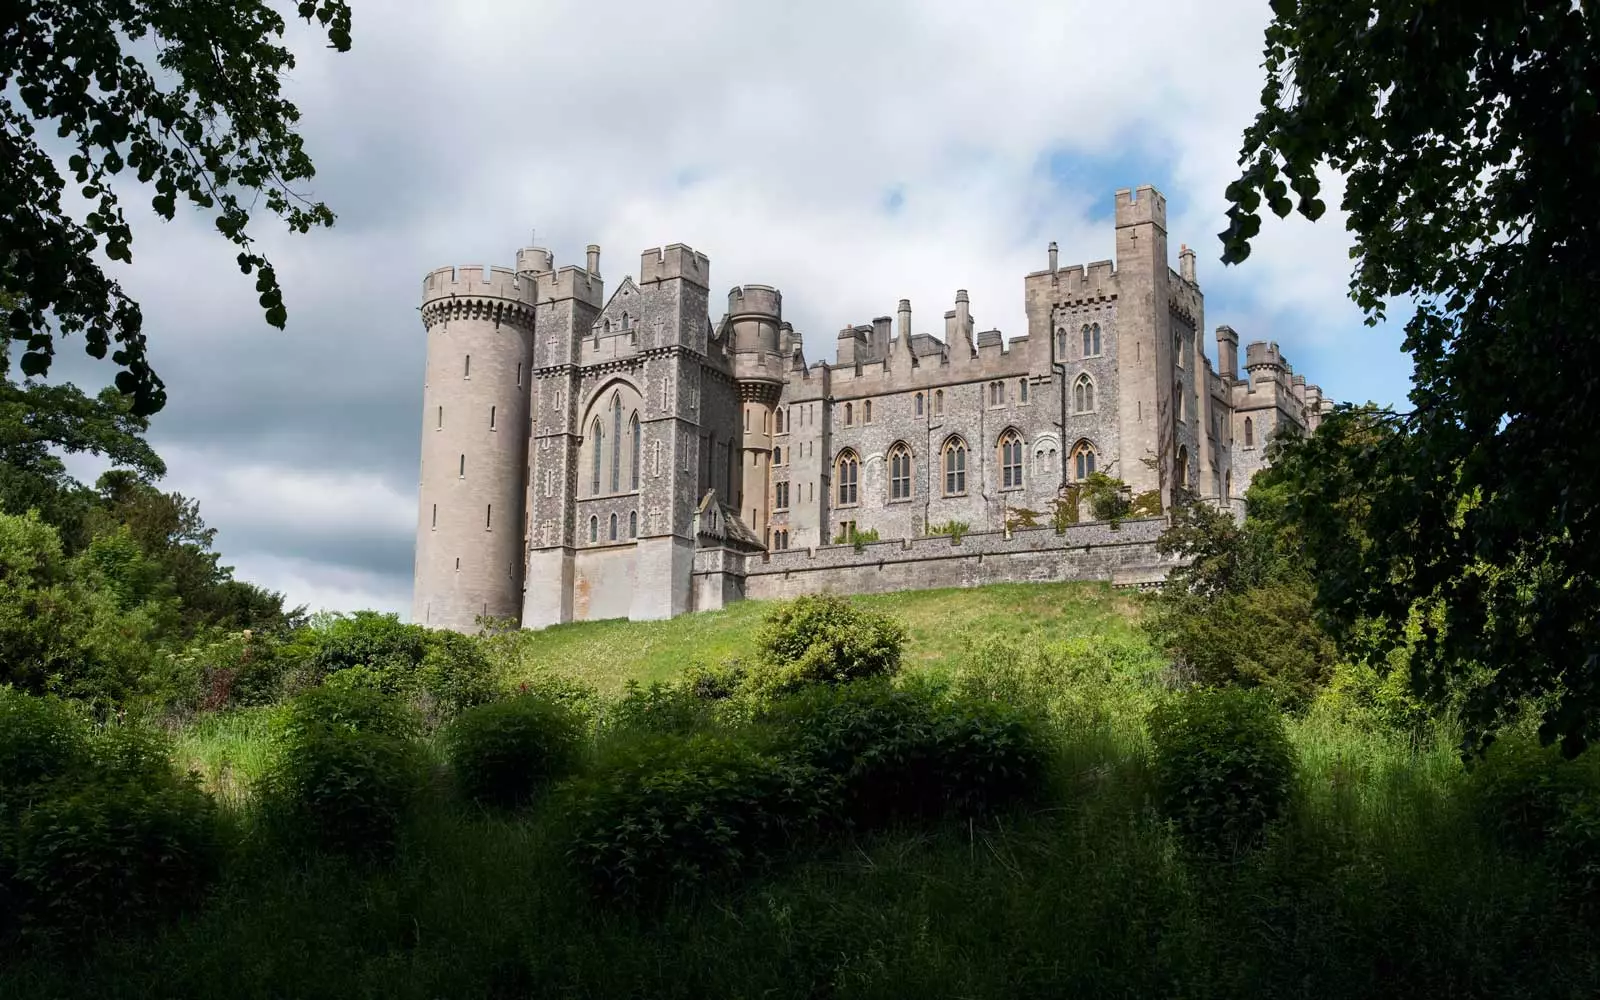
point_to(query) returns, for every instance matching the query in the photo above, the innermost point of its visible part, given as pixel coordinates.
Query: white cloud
(765, 135)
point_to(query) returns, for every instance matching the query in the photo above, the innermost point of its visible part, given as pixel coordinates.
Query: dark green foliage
(1107, 497)
(1223, 767)
(715, 683)
(1463, 135)
(1536, 801)
(666, 815)
(823, 639)
(344, 773)
(441, 672)
(912, 753)
(183, 96)
(655, 708)
(134, 843)
(40, 739)
(504, 752)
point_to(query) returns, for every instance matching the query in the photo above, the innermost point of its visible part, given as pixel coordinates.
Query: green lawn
(606, 654)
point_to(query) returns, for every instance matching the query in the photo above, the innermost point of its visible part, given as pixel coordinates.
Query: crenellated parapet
(496, 294)
(675, 261)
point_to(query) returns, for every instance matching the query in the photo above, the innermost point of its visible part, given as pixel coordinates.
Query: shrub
(1223, 767)
(440, 672)
(127, 845)
(1107, 497)
(1536, 801)
(503, 752)
(455, 674)
(912, 753)
(657, 708)
(715, 683)
(40, 739)
(668, 814)
(823, 639)
(344, 772)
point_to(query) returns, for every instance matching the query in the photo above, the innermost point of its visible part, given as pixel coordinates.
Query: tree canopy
(186, 95)
(1466, 134)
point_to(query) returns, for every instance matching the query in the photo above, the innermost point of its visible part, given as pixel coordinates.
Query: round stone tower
(475, 396)
(755, 314)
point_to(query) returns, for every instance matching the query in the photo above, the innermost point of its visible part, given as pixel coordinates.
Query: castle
(591, 456)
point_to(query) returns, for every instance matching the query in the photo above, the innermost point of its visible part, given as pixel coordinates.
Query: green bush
(503, 752)
(715, 683)
(1537, 802)
(440, 672)
(655, 708)
(344, 772)
(131, 843)
(903, 754)
(1223, 767)
(40, 739)
(667, 814)
(823, 639)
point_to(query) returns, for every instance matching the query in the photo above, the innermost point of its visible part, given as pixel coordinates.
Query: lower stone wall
(1125, 555)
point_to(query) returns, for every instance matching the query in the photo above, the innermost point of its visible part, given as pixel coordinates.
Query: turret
(469, 557)
(1262, 359)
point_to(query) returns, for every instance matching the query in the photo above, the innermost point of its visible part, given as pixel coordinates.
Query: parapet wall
(1125, 555)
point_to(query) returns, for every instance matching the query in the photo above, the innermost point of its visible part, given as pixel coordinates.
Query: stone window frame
(902, 475)
(847, 474)
(780, 495)
(633, 524)
(1249, 433)
(1082, 460)
(611, 529)
(1010, 448)
(919, 405)
(1180, 477)
(594, 529)
(866, 412)
(938, 402)
(1022, 390)
(1083, 393)
(1061, 343)
(953, 466)
(997, 393)
(777, 454)
(1093, 346)
(849, 414)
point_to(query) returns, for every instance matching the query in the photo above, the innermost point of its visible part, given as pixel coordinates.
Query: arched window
(633, 435)
(594, 529)
(616, 447)
(1083, 460)
(1249, 432)
(626, 323)
(847, 473)
(866, 412)
(777, 456)
(1227, 485)
(1083, 394)
(1022, 390)
(849, 414)
(1177, 401)
(919, 404)
(1061, 343)
(1010, 460)
(777, 422)
(633, 524)
(1182, 472)
(900, 472)
(596, 434)
(997, 393)
(613, 527)
(1091, 340)
(955, 467)
(938, 402)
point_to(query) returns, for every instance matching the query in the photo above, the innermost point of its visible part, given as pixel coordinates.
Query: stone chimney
(594, 258)
(1186, 263)
(1053, 256)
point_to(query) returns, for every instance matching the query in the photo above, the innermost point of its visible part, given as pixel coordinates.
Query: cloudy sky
(850, 153)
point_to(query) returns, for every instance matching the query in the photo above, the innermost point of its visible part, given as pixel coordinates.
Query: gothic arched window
(1182, 476)
(1061, 343)
(1083, 394)
(849, 414)
(1022, 390)
(613, 527)
(1083, 460)
(919, 404)
(955, 467)
(1249, 432)
(594, 529)
(616, 443)
(866, 412)
(777, 422)
(1010, 460)
(900, 472)
(847, 473)
(633, 524)
(777, 456)
(938, 402)
(633, 435)
(596, 435)
(1091, 340)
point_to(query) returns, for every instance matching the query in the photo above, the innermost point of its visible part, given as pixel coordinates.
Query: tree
(205, 118)
(1466, 134)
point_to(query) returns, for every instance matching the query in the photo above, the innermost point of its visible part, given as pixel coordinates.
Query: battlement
(1260, 354)
(536, 260)
(760, 300)
(477, 281)
(675, 261)
(1143, 204)
(572, 282)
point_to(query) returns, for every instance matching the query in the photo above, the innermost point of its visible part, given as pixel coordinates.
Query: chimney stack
(905, 321)
(594, 259)
(1186, 263)
(1052, 256)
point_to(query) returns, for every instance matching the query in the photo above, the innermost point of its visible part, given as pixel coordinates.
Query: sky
(849, 153)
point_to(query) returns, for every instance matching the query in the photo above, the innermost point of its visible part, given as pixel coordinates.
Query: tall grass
(1380, 882)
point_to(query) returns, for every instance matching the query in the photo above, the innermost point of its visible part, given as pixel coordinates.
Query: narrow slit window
(488, 516)
(491, 418)
(466, 369)
(435, 515)
(461, 470)
(519, 373)
(440, 425)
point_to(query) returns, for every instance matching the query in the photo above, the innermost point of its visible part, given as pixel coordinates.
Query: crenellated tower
(755, 318)
(474, 445)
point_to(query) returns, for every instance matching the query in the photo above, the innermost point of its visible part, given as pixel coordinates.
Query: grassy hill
(1380, 881)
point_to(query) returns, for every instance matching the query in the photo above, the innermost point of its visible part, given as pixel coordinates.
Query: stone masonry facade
(591, 456)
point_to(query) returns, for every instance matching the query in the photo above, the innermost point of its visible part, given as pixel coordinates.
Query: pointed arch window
(847, 474)
(1249, 433)
(1091, 340)
(638, 454)
(1061, 343)
(597, 434)
(1010, 460)
(1083, 460)
(900, 472)
(777, 456)
(938, 402)
(1022, 390)
(613, 527)
(777, 422)
(919, 404)
(616, 442)
(633, 524)
(849, 414)
(1182, 476)
(866, 412)
(955, 467)
(1083, 394)
(594, 529)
